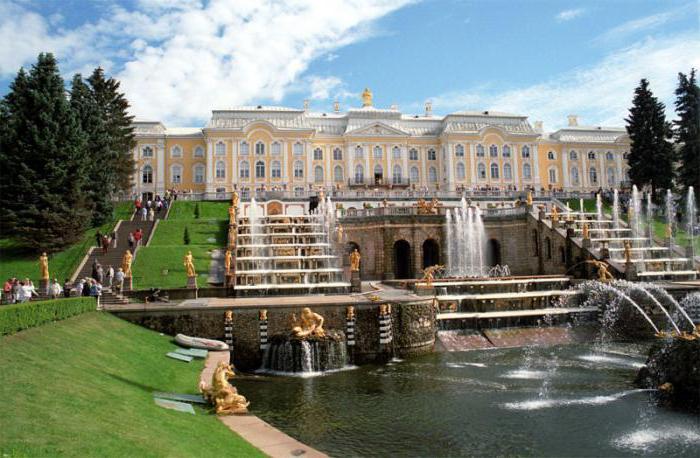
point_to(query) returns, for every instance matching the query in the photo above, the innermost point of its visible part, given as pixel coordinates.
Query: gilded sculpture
(366, 98)
(350, 313)
(628, 251)
(126, 263)
(586, 231)
(355, 260)
(231, 214)
(235, 199)
(669, 231)
(225, 397)
(44, 267)
(227, 262)
(604, 274)
(529, 199)
(262, 315)
(429, 274)
(188, 262)
(555, 214)
(309, 324)
(228, 316)
(384, 309)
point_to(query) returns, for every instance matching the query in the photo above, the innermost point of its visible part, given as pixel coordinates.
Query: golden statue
(227, 261)
(355, 260)
(228, 316)
(586, 231)
(669, 231)
(231, 214)
(429, 274)
(126, 263)
(604, 274)
(44, 267)
(262, 315)
(628, 251)
(366, 98)
(340, 233)
(235, 199)
(555, 214)
(529, 199)
(225, 397)
(384, 309)
(310, 324)
(350, 313)
(188, 262)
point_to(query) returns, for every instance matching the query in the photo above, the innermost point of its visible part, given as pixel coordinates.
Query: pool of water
(574, 400)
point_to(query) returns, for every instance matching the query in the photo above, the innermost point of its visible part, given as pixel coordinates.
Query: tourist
(151, 214)
(105, 244)
(95, 265)
(55, 289)
(86, 287)
(144, 214)
(66, 288)
(100, 274)
(32, 290)
(114, 238)
(79, 287)
(137, 236)
(7, 291)
(132, 241)
(119, 280)
(22, 294)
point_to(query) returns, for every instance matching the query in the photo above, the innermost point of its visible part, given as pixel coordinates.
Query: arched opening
(493, 252)
(403, 267)
(431, 253)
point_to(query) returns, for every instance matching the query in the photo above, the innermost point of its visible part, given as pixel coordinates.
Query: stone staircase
(109, 297)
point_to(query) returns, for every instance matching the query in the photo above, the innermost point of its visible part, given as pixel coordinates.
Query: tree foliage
(687, 130)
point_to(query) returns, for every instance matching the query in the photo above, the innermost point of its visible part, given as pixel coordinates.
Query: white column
(328, 173)
(472, 165)
(450, 167)
(285, 158)
(535, 151)
(602, 170)
(210, 165)
(515, 154)
(423, 151)
(405, 173)
(160, 167)
(309, 162)
(349, 155)
(366, 151)
(565, 169)
(584, 161)
(389, 163)
(234, 161)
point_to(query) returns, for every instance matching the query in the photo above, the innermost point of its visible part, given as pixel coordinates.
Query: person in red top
(137, 236)
(7, 291)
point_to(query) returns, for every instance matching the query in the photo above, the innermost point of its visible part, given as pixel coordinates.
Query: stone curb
(270, 440)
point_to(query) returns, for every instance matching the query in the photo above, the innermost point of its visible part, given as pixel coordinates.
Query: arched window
(244, 148)
(414, 175)
(276, 149)
(318, 174)
(199, 174)
(493, 151)
(551, 156)
(338, 174)
(611, 176)
(147, 151)
(220, 149)
(298, 149)
(276, 169)
(220, 169)
(573, 155)
(298, 169)
(413, 154)
(147, 174)
(507, 172)
(461, 171)
(378, 171)
(459, 151)
(176, 151)
(574, 175)
(494, 170)
(396, 175)
(358, 152)
(609, 156)
(318, 154)
(506, 152)
(552, 175)
(244, 170)
(593, 175)
(527, 171)
(337, 154)
(525, 151)
(260, 169)
(176, 174)
(432, 155)
(359, 174)
(591, 155)
(377, 152)
(432, 175)
(199, 152)
(479, 150)
(396, 151)
(481, 171)
(259, 149)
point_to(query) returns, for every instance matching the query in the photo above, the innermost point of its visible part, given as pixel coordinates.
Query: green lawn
(160, 263)
(589, 205)
(83, 387)
(681, 237)
(17, 261)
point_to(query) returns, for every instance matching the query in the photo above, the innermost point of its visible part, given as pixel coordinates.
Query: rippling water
(560, 401)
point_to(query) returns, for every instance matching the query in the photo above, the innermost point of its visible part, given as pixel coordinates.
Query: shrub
(16, 317)
(186, 237)
(196, 211)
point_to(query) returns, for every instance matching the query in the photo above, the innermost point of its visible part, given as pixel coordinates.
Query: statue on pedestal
(529, 199)
(355, 260)
(586, 231)
(604, 274)
(350, 313)
(227, 261)
(126, 263)
(222, 394)
(44, 267)
(555, 214)
(234, 200)
(188, 262)
(310, 324)
(429, 274)
(628, 251)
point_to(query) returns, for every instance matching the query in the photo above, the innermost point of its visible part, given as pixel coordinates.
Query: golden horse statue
(225, 397)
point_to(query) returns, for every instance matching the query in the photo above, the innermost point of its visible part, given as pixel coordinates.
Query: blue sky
(180, 59)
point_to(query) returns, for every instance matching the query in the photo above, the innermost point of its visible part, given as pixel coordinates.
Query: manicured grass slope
(83, 387)
(17, 261)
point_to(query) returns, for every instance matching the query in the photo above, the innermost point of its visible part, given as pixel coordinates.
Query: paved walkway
(262, 435)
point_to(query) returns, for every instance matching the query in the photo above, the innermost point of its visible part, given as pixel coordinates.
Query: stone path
(260, 434)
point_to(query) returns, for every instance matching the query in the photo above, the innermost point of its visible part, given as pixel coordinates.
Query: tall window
(337, 154)
(259, 149)
(611, 176)
(199, 152)
(244, 170)
(494, 171)
(377, 152)
(432, 155)
(593, 175)
(459, 150)
(573, 155)
(525, 152)
(574, 175)
(609, 156)
(396, 175)
(244, 148)
(176, 174)
(507, 172)
(378, 171)
(413, 154)
(396, 151)
(298, 169)
(260, 169)
(493, 151)
(506, 151)
(461, 171)
(298, 149)
(591, 155)
(176, 151)
(551, 156)
(480, 150)
(358, 152)
(359, 174)
(275, 169)
(147, 174)
(338, 174)
(220, 149)
(414, 175)
(552, 175)
(318, 174)
(527, 171)
(220, 169)
(481, 171)
(276, 148)
(432, 175)
(199, 174)
(318, 154)
(147, 151)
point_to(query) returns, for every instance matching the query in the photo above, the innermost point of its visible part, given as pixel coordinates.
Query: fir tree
(651, 157)
(196, 210)
(186, 236)
(45, 164)
(687, 131)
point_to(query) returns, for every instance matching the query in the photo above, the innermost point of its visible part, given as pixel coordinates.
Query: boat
(200, 342)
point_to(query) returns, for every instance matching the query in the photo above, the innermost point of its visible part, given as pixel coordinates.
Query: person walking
(151, 214)
(132, 241)
(109, 276)
(119, 280)
(105, 244)
(144, 214)
(66, 288)
(55, 289)
(100, 274)
(7, 291)
(137, 237)
(114, 238)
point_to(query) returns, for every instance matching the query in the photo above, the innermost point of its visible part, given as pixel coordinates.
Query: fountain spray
(616, 209)
(691, 218)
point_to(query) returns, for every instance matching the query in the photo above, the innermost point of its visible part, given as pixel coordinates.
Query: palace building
(294, 150)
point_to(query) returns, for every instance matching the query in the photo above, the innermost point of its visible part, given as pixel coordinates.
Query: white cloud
(322, 88)
(184, 58)
(601, 93)
(568, 15)
(330, 57)
(646, 23)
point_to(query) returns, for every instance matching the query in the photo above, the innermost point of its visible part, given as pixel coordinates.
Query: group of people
(146, 211)
(135, 239)
(103, 277)
(104, 241)
(16, 291)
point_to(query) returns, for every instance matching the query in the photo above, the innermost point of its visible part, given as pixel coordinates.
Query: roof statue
(366, 98)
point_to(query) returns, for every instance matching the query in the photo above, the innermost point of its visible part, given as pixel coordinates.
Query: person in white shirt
(119, 280)
(55, 289)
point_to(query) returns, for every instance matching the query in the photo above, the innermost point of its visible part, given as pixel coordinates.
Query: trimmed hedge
(16, 317)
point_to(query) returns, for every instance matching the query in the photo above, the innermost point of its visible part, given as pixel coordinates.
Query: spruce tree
(651, 157)
(687, 131)
(45, 168)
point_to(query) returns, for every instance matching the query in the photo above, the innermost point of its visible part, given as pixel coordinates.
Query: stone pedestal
(128, 284)
(44, 286)
(630, 272)
(355, 283)
(230, 281)
(192, 282)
